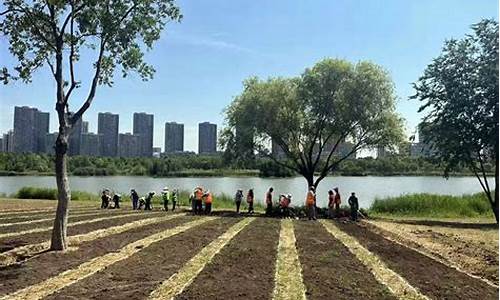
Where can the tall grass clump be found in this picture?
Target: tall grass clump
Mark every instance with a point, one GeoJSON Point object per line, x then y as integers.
{"type": "Point", "coordinates": [428, 205]}
{"type": "Point", "coordinates": [51, 194]}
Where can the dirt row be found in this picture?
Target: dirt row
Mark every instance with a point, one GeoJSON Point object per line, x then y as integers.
{"type": "Point", "coordinates": [49, 264]}
{"type": "Point", "coordinates": [431, 277]}
{"type": "Point", "coordinates": [9, 243]}
{"type": "Point", "coordinates": [330, 271]}
{"type": "Point", "coordinates": [137, 276]}
{"type": "Point", "coordinates": [244, 269]}
{"type": "Point", "coordinates": [50, 214]}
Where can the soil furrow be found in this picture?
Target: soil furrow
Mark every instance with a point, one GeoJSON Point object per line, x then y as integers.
{"type": "Point", "coordinates": [33, 276]}
{"type": "Point", "coordinates": [12, 242]}
{"type": "Point", "coordinates": [330, 271]}
{"type": "Point", "coordinates": [185, 276]}
{"type": "Point", "coordinates": [432, 278]}
{"type": "Point", "coordinates": [243, 269]}
{"type": "Point", "coordinates": [137, 276]}
{"type": "Point", "coordinates": [51, 214]}
{"type": "Point", "coordinates": [25, 252]}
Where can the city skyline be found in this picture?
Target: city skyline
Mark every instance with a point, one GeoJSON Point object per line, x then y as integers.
{"type": "Point", "coordinates": [107, 140]}
{"type": "Point", "coordinates": [202, 62]}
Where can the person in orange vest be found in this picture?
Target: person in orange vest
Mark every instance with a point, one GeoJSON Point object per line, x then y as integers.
{"type": "Point", "coordinates": [250, 201]}
{"type": "Point", "coordinates": [208, 202]}
{"type": "Point", "coordinates": [198, 201]}
{"type": "Point", "coordinates": [310, 202]}
{"type": "Point", "coordinates": [337, 202]}
{"type": "Point", "coordinates": [269, 202]}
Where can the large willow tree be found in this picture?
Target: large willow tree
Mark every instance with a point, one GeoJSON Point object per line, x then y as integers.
{"type": "Point", "coordinates": [310, 117]}
{"type": "Point", "coordinates": [52, 34]}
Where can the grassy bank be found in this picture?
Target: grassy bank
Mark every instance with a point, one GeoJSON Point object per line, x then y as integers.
{"type": "Point", "coordinates": [433, 206]}
{"type": "Point", "coordinates": [220, 201]}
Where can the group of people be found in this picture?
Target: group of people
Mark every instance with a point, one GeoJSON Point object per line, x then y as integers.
{"type": "Point", "coordinates": [201, 202]}
{"type": "Point", "coordinates": [284, 202]}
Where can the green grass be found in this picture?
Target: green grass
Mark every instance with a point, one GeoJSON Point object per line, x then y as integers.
{"type": "Point", "coordinates": [220, 201]}
{"type": "Point", "coordinates": [433, 206]}
{"type": "Point", "coordinates": [51, 194]}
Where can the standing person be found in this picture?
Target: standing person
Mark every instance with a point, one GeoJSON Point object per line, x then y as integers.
{"type": "Point", "coordinates": [269, 202]}
{"type": "Point", "coordinates": [250, 198]}
{"type": "Point", "coordinates": [193, 203]}
{"type": "Point", "coordinates": [104, 199]}
{"type": "Point", "coordinates": [237, 199]}
{"type": "Point", "coordinates": [135, 199]}
{"type": "Point", "coordinates": [208, 202]}
{"type": "Point", "coordinates": [353, 203]}
{"type": "Point", "coordinates": [165, 195]}
{"type": "Point", "coordinates": [198, 199]}
{"type": "Point", "coordinates": [337, 202]}
{"type": "Point", "coordinates": [149, 199]}
{"type": "Point", "coordinates": [310, 203]}
{"type": "Point", "coordinates": [331, 201]}
{"type": "Point", "coordinates": [174, 199]}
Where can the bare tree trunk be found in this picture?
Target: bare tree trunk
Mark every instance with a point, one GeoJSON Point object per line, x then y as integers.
{"type": "Point", "coordinates": [58, 241]}
{"type": "Point", "coordinates": [495, 202]}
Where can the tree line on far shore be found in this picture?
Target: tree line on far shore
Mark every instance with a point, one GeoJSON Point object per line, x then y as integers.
{"type": "Point", "coordinates": [194, 165]}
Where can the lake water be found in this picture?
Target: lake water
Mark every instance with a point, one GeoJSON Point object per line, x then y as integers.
{"type": "Point", "coordinates": [367, 188]}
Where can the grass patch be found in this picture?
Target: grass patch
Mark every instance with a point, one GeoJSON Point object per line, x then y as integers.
{"type": "Point", "coordinates": [51, 194]}
{"type": "Point", "coordinates": [433, 206]}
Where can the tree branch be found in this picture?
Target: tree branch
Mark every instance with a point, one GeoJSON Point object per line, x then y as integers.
{"type": "Point", "coordinates": [71, 56]}
{"type": "Point", "coordinates": [93, 87]}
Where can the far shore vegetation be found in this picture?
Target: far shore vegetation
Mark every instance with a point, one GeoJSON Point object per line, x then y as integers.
{"type": "Point", "coordinates": [12, 164]}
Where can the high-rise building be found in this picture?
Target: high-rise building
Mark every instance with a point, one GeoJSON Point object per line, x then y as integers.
{"type": "Point", "coordinates": [382, 152]}
{"type": "Point", "coordinates": [1, 144]}
{"type": "Point", "coordinates": [107, 128]}
{"type": "Point", "coordinates": [75, 138]}
{"type": "Point", "coordinates": [41, 130]}
{"type": "Point", "coordinates": [90, 144]}
{"type": "Point", "coordinates": [207, 138]}
{"type": "Point", "coordinates": [50, 142]}
{"type": "Point", "coordinates": [174, 137]}
{"type": "Point", "coordinates": [30, 128]}
{"type": "Point", "coordinates": [143, 127]}
{"type": "Point", "coordinates": [85, 127]}
{"type": "Point", "coordinates": [8, 142]}
{"type": "Point", "coordinates": [129, 145]}
{"type": "Point", "coordinates": [277, 151]}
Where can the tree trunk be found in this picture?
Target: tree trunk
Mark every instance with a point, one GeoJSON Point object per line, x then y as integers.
{"type": "Point", "coordinates": [495, 201]}
{"type": "Point", "coordinates": [58, 241]}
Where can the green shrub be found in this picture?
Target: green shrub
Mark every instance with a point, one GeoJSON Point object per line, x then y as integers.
{"type": "Point", "coordinates": [427, 205]}
{"type": "Point", "coordinates": [51, 194]}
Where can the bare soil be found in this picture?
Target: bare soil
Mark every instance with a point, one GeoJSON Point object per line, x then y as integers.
{"type": "Point", "coordinates": [137, 276]}
{"type": "Point", "coordinates": [244, 269]}
{"type": "Point", "coordinates": [330, 271]}
{"type": "Point", "coordinates": [49, 264]}
{"type": "Point", "coordinates": [9, 243]}
{"type": "Point", "coordinates": [431, 277]}
{"type": "Point", "coordinates": [473, 249]}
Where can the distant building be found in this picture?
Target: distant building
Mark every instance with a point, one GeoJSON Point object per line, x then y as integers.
{"type": "Point", "coordinates": [30, 128]}
{"type": "Point", "coordinates": [423, 148]}
{"type": "Point", "coordinates": [85, 127]}
{"type": "Point", "coordinates": [50, 142]}
{"type": "Point", "coordinates": [107, 128]}
{"type": "Point", "coordinates": [75, 138]}
{"type": "Point", "coordinates": [1, 144]}
{"type": "Point", "coordinates": [277, 151]}
{"type": "Point", "coordinates": [8, 142]}
{"type": "Point", "coordinates": [174, 137]}
{"type": "Point", "coordinates": [41, 129]}
{"type": "Point", "coordinates": [207, 138]}
{"type": "Point", "coordinates": [129, 145]}
{"type": "Point", "coordinates": [382, 152]}
{"type": "Point", "coordinates": [90, 144]}
{"type": "Point", "coordinates": [143, 127]}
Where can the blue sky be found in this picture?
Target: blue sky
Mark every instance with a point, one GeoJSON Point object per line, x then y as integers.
{"type": "Point", "coordinates": [202, 61]}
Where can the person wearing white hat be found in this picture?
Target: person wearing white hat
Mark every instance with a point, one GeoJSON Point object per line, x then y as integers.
{"type": "Point", "coordinates": [165, 194]}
